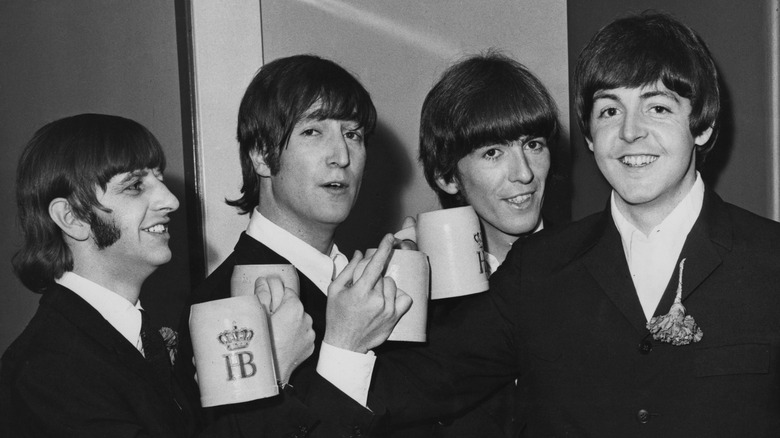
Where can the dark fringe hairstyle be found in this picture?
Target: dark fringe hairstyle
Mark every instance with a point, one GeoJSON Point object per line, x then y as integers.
{"type": "Point", "coordinates": [485, 99]}
{"type": "Point", "coordinates": [640, 50]}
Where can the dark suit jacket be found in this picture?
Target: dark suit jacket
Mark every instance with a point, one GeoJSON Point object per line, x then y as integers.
{"type": "Point", "coordinates": [563, 317]}
{"type": "Point", "coordinates": [319, 408]}
{"type": "Point", "coordinates": [71, 374]}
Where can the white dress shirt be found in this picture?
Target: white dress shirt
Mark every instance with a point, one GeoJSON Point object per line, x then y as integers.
{"type": "Point", "coordinates": [652, 258]}
{"type": "Point", "coordinates": [349, 371]}
{"type": "Point", "coordinates": [123, 315]}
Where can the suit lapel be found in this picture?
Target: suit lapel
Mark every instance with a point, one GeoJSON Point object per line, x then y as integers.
{"type": "Point", "coordinates": [711, 234]}
{"type": "Point", "coordinates": [606, 262]}
{"type": "Point", "coordinates": [94, 326]}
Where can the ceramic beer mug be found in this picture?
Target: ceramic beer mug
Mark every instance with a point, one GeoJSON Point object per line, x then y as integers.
{"type": "Point", "coordinates": [411, 273]}
{"type": "Point", "coordinates": [452, 239]}
{"type": "Point", "coordinates": [233, 354]}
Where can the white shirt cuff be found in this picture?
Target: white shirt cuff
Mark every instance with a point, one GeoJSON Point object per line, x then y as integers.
{"type": "Point", "coordinates": [348, 371]}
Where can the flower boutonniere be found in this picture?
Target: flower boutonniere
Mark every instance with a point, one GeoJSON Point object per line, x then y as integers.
{"type": "Point", "coordinates": [675, 327]}
{"type": "Point", "coordinates": [171, 339]}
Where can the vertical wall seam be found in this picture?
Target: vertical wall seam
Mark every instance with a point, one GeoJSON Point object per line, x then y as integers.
{"type": "Point", "coordinates": [774, 111]}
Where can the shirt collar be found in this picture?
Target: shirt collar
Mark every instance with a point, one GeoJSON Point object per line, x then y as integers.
{"type": "Point", "coordinates": [120, 313]}
{"type": "Point", "coordinates": [675, 226]}
{"type": "Point", "coordinates": [316, 266]}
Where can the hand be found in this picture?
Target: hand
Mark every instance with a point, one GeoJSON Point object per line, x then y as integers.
{"type": "Point", "coordinates": [406, 243]}
{"type": "Point", "coordinates": [361, 314]}
{"type": "Point", "coordinates": [291, 332]}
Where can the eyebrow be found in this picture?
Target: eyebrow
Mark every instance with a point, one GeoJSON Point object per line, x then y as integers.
{"type": "Point", "coordinates": [134, 174]}
{"type": "Point", "coordinates": [601, 94]}
{"type": "Point", "coordinates": [654, 93]}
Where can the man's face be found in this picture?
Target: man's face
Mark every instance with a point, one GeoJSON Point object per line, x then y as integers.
{"type": "Point", "coordinates": [319, 176]}
{"type": "Point", "coordinates": [134, 236]}
{"type": "Point", "coordinates": [643, 145]}
{"type": "Point", "coordinates": [505, 185]}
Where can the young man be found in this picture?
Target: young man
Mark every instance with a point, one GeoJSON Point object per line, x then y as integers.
{"type": "Point", "coordinates": [486, 132]}
{"type": "Point", "coordinates": [94, 211]}
{"type": "Point", "coordinates": [302, 128]}
{"type": "Point", "coordinates": [606, 330]}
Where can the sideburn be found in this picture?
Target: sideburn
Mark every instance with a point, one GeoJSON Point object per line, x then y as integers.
{"type": "Point", "coordinates": [105, 233]}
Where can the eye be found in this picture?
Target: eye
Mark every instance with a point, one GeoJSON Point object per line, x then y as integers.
{"type": "Point", "coordinates": [492, 154]}
{"type": "Point", "coordinates": [658, 109]}
{"type": "Point", "coordinates": [608, 112]}
{"type": "Point", "coordinates": [354, 135]}
{"type": "Point", "coordinates": [309, 132]}
{"type": "Point", "coordinates": [535, 145]}
{"type": "Point", "coordinates": [134, 186]}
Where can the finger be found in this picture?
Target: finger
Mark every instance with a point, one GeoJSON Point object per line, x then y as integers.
{"type": "Point", "coordinates": [408, 233]}
{"type": "Point", "coordinates": [388, 292]}
{"type": "Point", "coordinates": [361, 266]}
{"type": "Point", "coordinates": [276, 288]}
{"type": "Point", "coordinates": [263, 293]}
{"type": "Point", "coordinates": [376, 265]}
{"type": "Point", "coordinates": [403, 302]}
{"type": "Point", "coordinates": [345, 277]}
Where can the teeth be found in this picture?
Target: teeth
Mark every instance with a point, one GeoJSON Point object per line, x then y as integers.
{"type": "Point", "coordinates": [638, 160]}
{"type": "Point", "coordinates": [157, 229]}
{"type": "Point", "coordinates": [520, 199]}
{"type": "Point", "coordinates": [337, 185]}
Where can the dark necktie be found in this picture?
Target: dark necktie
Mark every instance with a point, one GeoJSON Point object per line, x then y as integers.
{"type": "Point", "coordinates": [154, 351]}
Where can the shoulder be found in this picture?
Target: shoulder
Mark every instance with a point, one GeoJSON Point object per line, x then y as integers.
{"type": "Point", "coordinates": [736, 228]}
{"type": "Point", "coordinates": [560, 244]}
{"type": "Point", "coordinates": [247, 251]}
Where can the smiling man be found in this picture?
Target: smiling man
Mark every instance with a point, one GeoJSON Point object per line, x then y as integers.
{"type": "Point", "coordinates": [94, 210]}
{"type": "Point", "coordinates": [302, 129]}
{"type": "Point", "coordinates": [656, 317]}
{"type": "Point", "coordinates": [487, 133]}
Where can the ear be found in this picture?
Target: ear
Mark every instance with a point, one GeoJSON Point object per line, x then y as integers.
{"type": "Point", "coordinates": [450, 187]}
{"type": "Point", "coordinates": [590, 143]}
{"type": "Point", "coordinates": [62, 214]}
{"type": "Point", "coordinates": [259, 163]}
{"type": "Point", "coordinates": [704, 137]}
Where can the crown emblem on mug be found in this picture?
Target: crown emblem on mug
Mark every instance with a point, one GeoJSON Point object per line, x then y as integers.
{"type": "Point", "coordinates": [236, 339]}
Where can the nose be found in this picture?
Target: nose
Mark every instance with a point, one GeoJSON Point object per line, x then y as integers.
{"type": "Point", "coordinates": [339, 151]}
{"type": "Point", "coordinates": [519, 169]}
{"type": "Point", "coordinates": [632, 127]}
{"type": "Point", "coordinates": [164, 199]}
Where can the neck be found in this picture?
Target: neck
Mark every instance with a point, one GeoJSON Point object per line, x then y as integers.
{"type": "Point", "coordinates": [318, 236]}
{"type": "Point", "coordinates": [128, 290]}
{"type": "Point", "coordinates": [648, 215]}
{"type": "Point", "coordinates": [117, 279]}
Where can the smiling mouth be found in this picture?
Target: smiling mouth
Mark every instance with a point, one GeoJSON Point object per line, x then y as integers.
{"type": "Point", "coordinates": [335, 185]}
{"type": "Point", "coordinates": [157, 229]}
{"type": "Point", "coordinates": [520, 199]}
{"type": "Point", "coordinates": [638, 160]}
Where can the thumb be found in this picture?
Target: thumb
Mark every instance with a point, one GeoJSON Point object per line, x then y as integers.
{"type": "Point", "coordinates": [263, 293]}
{"type": "Point", "coordinates": [403, 302]}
